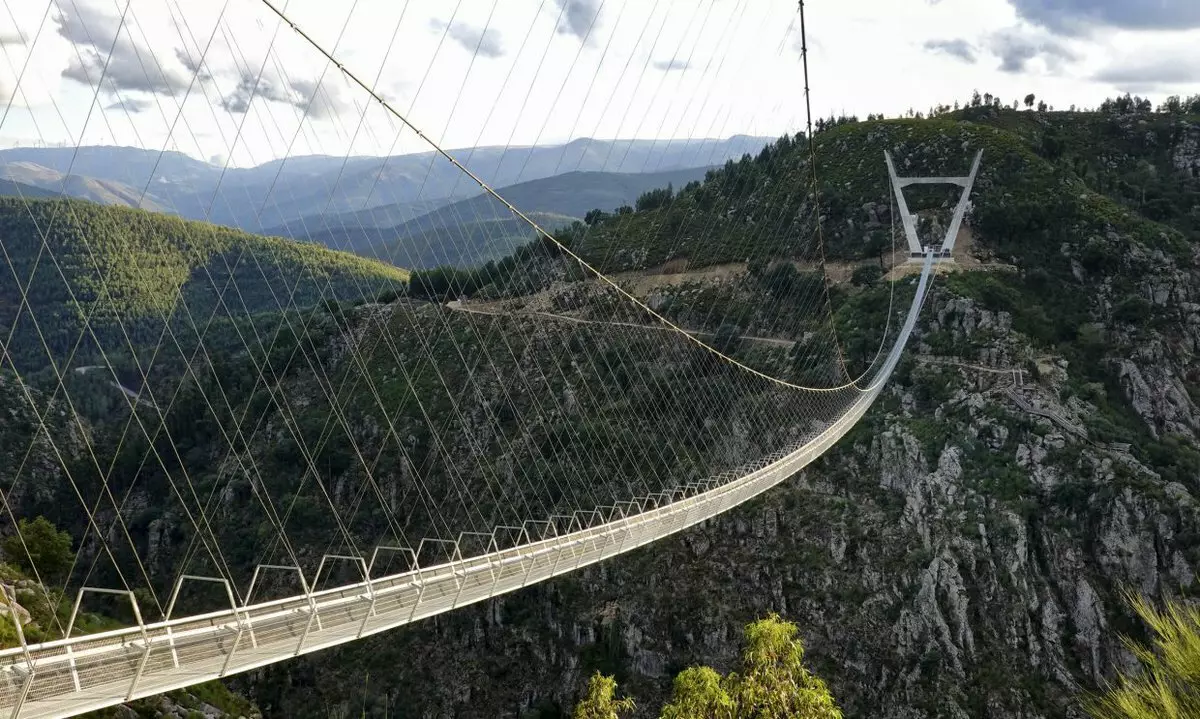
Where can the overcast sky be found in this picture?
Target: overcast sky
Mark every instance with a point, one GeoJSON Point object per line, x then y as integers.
{"type": "Point", "coordinates": [229, 81]}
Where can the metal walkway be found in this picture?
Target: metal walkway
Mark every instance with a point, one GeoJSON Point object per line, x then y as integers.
{"type": "Point", "coordinates": [67, 677]}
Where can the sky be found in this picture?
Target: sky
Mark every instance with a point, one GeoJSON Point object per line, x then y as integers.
{"type": "Point", "coordinates": [228, 81]}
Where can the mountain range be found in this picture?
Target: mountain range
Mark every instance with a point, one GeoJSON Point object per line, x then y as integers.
{"type": "Point", "coordinates": [481, 228]}
{"type": "Point", "coordinates": [309, 188]}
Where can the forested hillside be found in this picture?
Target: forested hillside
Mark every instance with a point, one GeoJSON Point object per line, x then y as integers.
{"type": "Point", "coordinates": [122, 272]}
{"type": "Point", "coordinates": [960, 554]}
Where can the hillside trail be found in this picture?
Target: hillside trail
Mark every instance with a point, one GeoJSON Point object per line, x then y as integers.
{"type": "Point", "coordinates": [493, 309]}
{"type": "Point", "coordinates": [644, 283]}
{"type": "Point", "coordinates": [131, 394]}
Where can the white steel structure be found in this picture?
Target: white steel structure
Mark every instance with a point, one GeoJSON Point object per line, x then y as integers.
{"type": "Point", "coordinates": [66, 677]}
{"type": "Point", "coordinates": [917, 249]}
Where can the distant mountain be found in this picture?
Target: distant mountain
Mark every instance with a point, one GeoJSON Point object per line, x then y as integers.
{"type": "Point", "coordinates": [106, 192]}
{"type": "Point", "coordinates": [281, 191]}
{"type": "Point", "coordinates": [571, 194]}
{"type": "Point", "coordinates": [472, 231]}
{"type": "Point", "coordinates": [309, 226]}
{"type": "Point", "coordinates": [128, 165]}
{"type": "Point", "coordinates": [8, 188]}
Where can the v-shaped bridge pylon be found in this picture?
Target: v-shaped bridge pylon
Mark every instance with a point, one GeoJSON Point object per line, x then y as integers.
{"type": "Point", "coordinates": [916, 249]}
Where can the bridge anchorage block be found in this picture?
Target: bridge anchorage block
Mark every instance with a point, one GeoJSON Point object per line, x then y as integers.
{"type": "Point", "coordinates": [917, 252]}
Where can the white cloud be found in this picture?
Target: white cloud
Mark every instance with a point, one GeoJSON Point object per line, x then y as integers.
{"type": "Point", "coordinates": [486, 42]}
{"type": "Point", "coordinates": [579, 17]}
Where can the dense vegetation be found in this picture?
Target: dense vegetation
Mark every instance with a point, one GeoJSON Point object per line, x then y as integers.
{"type": "Point", "coordinates": [101, 276]}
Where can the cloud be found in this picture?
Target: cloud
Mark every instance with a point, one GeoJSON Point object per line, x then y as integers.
{"type": "Point", "coordinates": [1151, 74]}
{"type": "Point", "coordinates": [579, 17]}
{"type": "Point", "coordinates": [322, 101]}
{"type": "Point", "coordinates": [1016, 47]}
{"type": "Point", "coordinates": [194, 66]}
{"type": "Point", "coordinates": [11, 38]}
{"type": "Point", "coordinates": [124, 65]}
{"type": "Point", "coordinates": [960, 49]}
{"type": "Point", "coordinates": [1077, 16]}
{"type": "Point", "coordinates": [672, 64]}
{"type": "Point", "coordinates": [130, 104]}
{"type": "Point", "coordinates": [484, 41]}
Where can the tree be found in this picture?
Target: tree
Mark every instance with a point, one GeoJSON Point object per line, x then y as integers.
{"type": "Point", "coordinates": [654, 199]}
{"type": "Point", "coordinates": [600, 701]}
{"type": "Point", "coordinates": [1029, 100]}
{"type": "Point", "coordinates": [698, 693]}
{"type": "Point", "coordinates": [1042, 106]}
{"type": "Point", "coordinates": [773, 684]}
{"type": "Point", "coordinates": [39, 547]}
{"type": "Point", "coordinates": [1169, 682]}
{"type": "Point", "coordinates": [594, 216]}
{"type": "Point", "coordinates": [866, 275]}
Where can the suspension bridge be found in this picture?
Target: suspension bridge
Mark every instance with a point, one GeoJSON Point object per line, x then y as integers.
{"type": "Point", "coordinates": [499, 449]}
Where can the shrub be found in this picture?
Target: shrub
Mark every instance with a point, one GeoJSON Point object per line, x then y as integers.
{"type": "Point", "coordinates": [39, 547]}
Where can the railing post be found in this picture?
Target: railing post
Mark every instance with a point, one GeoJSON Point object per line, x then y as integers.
{"type": "Point", "coordinates": [175, 597]}
{"type": "Point", "coordinates": [375, 555]}
{"type": "Point", "coordinates": [571, 522]}
{"type": "Point", "coordinates": [420, 572]}
{"type": "Point", "coordinates": [463, 561]}
{"type": "Point", "coordinates": [592, 535]}
{"type": "Point", "coordinates": [137, 613]}
{"type": "Point", "coordinates": [541, 536]}
{"type": "Point", "coordinates": [248, 625]}
{"type": "Point", "coordinates": [26, 685]}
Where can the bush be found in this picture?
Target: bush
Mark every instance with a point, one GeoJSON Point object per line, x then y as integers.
{"type": "Point", "coordinates": [38, 547]}
{"type": "Point", "coordinates": [1132, 310]}
{"type": "Point", "coordinates": [866, 275]}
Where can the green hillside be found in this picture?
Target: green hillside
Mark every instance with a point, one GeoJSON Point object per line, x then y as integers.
{"type": "Point", "coordinates": [1036, 181]}
{"type": "Point", "coordinates": [467, 243]}
{"type": "Point", "coordinates": [129, 270]}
